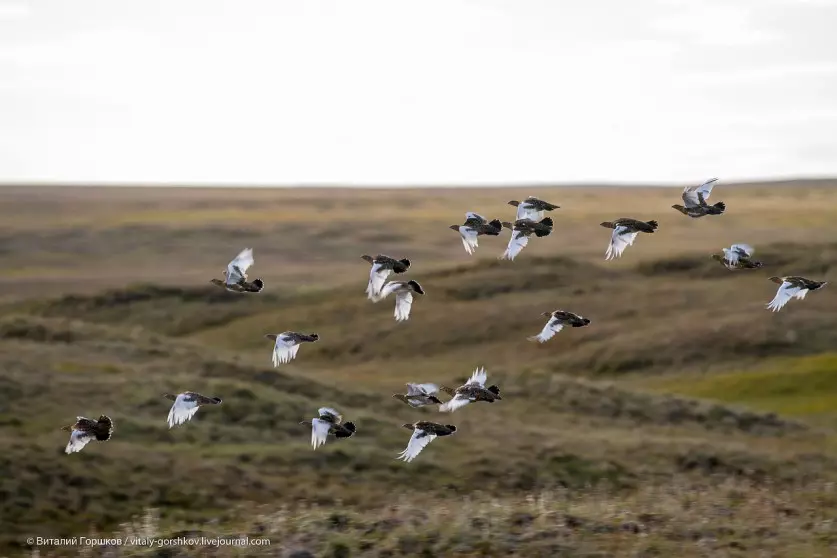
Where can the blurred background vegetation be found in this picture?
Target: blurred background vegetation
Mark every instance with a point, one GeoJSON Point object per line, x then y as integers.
{"type": "Point", "coordinates": [686, 420]}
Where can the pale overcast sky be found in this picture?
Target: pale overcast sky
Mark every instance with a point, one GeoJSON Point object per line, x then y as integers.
{"type": "Point", "coordinates": [430, 91]}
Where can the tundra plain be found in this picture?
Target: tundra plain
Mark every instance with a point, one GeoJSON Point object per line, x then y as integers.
{"type": "Point", "coordinates": [686, 420]}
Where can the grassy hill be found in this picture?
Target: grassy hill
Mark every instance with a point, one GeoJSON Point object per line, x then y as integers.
{"type": "Point", "coordinates": [686, 419]}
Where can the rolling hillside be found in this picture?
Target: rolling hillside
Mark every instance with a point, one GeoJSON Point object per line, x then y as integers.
{"type": "Point", "coordinates": [686, 418]}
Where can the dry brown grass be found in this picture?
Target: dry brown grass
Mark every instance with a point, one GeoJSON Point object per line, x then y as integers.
{"type": "Point", "coordinates": [582, 427]}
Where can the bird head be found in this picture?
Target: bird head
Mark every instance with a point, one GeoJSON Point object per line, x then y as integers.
{"type": "Point", "coordinates": [514, 203]}
{"type": "Point", "coordinates": [454, 227]}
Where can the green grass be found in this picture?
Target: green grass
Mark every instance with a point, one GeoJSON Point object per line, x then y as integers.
{"type": "Point", "coordinates": [805, 386]}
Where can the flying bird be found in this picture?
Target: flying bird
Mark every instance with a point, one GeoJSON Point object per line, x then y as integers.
{"type": "Point", "coordinates": [403, 291]}
{"type": "Point", "coordinates": [522, 229]}
{"type": "Point", "coordinates": [420, 395]}
{"type": "Point", "coordinates": [186, 404]}
{"type": "Point", "coordinates": [86, 430]}
{"type": "Point", "coordinates": [532, 208]}
{"type": "Point", "coordinates": [625, 231]}
{"type": "Point", "coordinates": [556, 322]}
{"type": "Point", "coordinates": [236, 275]}
{"type": "Point", "coordinates": [473, 390]}
{"type": "Point", "coordinates": [382, 267]}
{"type": "Point", "coordinates": [330, 422]}
{"type": "Point", "coordinates": [424, 432]}
{"type": "Point", "coordinates": [738, 256]}
{"type": "Point", "coordinates": [287, 344]}
{"type": "Point", "coordinates": [792, 286]}
{"type": "Point", "coordinates": [694, 198]}
{"type": "Point", "coordinates": [475, 226]}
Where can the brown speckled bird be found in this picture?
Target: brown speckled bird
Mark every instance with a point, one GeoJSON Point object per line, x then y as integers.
{"type": "Point", "coordinates": [86, 430]}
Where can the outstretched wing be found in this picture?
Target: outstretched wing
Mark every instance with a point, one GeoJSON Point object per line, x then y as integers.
{"type": "Point", "coordinates": [377, 275]}
{"type": "Point", "coordinates": [619, 240]}
{"type": "Point", "coordinates": [422, 389]}
{"type": "Point", "coordinates": [330, 412]}
{"type": "Point", "coordinates": [690, 193]}
{"type": "Point", "coordinates": [403, 303]}
{"type": "Point", "coordinates": [785, 292]}
{"type": "Point", "coordinates": [457, 402]}
{"type": "Point", "coordinates": [182, 410]}
{"type": "Point", "coordinates": [237, 269]}
{"type": "Point", "coordinates": [526, 211]}
{"type": "Point", "coordinates": [417, 442]}
{"type": "Point", "coordinates": [284, 350]}
{"type": "Point", "coordinates": [548, 332]}
{"type": "Point", "coordinates": [517, 242]}
{"type": "Point", "coordinates": [478, 377]}
{"type": "Point", "coordinates": [319, 432]}
{"type": "Point", "coordinates": [743, 250]}
{"type": "Point", "coordinates": [476, 217]}
{"type": "Point", "coordinates": [469, 238]}
{"type": "Point", "coordinates": [79, 439]}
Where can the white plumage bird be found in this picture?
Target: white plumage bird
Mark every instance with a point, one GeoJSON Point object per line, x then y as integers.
{"type": "Point", "coordinates": [286, 345]}
{"type": "Point", "coordinates": [185, 406]}
{"type": "Point", "coordinates": [790, 287]}
{"type": "Point", "coordinates": [328, 422]}
{"type": "Point", "coordinates": [424, 432]}
{"type": "Point", "coordinates": [403, 291]}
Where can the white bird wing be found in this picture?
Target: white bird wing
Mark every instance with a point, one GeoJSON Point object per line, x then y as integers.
{"type": "Point", "coordinates": [526, 211]}
{"type": "Point", "coordinates": [517, 242]}
{"type": "Point", "coordinates": [284, 350]}
{"type": "Point", "coordinates": [237, 269]}
{"type": "Point", "coordinates": [78, 439]}
{"type": "Point", "coordinates": [785, 292]}
{"type": "Point", "coordinates": [472, 215]}
{"type": "Point", "coordinates": [182, 410]}
{"type": "Point", "coordinates": [619, 240]}
{"type": "Point", "coordinates": [731, 256]}
{"type": "Point", "coordinates": [422, 389]}
{"type": "Point", "coordinates": [322, 411]}
{"type": "Point", "coordinates": [319, 432]}
{"type": "Point", "coordinates": [403, 303]}
{"type": "Point", "coordinates": [478, 377]}
{"type": "Point", "coordinates": [417, 442]}
{"type": "Point", "coordinates": [743, 250]}
{"type": "Point", "coordinates": [470, 238]}
{"type": "Point", "coordinates": [377, 276]}
{"type": "Point", "coordinates": [457, 402]}
{"type": "Point", "coordinates": [690, 193]}
{"type": "Point", "coordinates": [548, 332]}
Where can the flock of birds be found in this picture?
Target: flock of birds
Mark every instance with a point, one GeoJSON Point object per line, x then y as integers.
{"type": "Point", "coordinates": [529, 221]}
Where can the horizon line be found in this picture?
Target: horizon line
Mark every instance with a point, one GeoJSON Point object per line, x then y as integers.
{"type": "Point", "coordinates": [403, 185]}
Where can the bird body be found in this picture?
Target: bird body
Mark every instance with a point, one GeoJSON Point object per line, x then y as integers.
{"type": "Point", "coordinates": [236, 275]}
{"type": "Point", "coordinates": [286, 345]}
{"type": "Point", "coordinates": [475, 226]}
{"type": "Point", "coordinates": [738, 256]}
{"type": "Point", "coordinates": [424, 432]}
{"type": "Point", "coordinates": [85, 430]}
{"type": "Point", "coordinates": [420, 395]}
{"type": "Point", "coordinates": [625, 231]}
{"type": "Point", "coordinates": [532, 208]}
{"type": "Point", "coordinates": [522, 229]}
{"type": "Point", "coordinates": [329, 422]}
{"type": "Point", "coordinates": [382, 267]}
{"type": "Point", "coordinates": [185, 406]}
{"type": "Point", "coordinates": [557, 320]}
{"type": "Point", "coordinates": [792, 286]}
{"type": "Point", "coordinates": [473, 390]}
{"type": "Point", "coordinates": [694, 198]}
{"type": "Point", "coordinates": [403, 291]}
